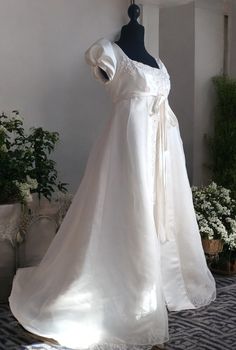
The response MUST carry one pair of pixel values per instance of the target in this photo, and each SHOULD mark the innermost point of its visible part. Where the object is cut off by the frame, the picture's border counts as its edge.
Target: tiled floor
(209, 328)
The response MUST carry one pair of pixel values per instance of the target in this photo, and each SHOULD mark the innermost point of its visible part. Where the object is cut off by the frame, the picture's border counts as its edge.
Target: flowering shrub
(216, 213)
(25, 166)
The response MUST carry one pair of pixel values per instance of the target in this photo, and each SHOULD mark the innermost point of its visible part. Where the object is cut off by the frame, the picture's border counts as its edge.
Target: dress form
(131, 40)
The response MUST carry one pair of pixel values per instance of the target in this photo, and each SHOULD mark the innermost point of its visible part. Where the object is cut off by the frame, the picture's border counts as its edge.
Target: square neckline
(157, 59)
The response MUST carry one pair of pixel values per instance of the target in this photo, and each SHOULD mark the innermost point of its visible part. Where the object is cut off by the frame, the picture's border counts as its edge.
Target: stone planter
(40, 232)
(10, 216)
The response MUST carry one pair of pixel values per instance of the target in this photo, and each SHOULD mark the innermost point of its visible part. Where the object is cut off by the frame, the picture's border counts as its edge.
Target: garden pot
(10, 216)
(212, 246)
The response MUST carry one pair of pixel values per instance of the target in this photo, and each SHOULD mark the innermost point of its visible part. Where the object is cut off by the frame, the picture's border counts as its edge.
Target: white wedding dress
(129, 247)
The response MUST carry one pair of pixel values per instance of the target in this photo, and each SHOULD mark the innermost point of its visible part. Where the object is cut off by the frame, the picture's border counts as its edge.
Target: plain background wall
(44, 74)
(192, 45)
(176, 37)
(150, 20)
(209, 58)
(232, 40)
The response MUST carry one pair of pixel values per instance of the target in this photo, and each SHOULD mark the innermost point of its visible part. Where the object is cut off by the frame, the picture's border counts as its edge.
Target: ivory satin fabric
(129, 248)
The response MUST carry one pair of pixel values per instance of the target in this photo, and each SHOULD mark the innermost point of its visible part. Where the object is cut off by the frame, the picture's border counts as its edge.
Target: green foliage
(25, 166)
(42, 143)
(223, 143)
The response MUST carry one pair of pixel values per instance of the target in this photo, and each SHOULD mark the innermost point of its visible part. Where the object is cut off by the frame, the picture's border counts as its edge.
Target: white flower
(3, 129)
(19, 238)
(3, 148)
(206, 205)
(24, 189)
(33, 183)
(16, 116)
(213, 186)
(214, 210)
(199, 216)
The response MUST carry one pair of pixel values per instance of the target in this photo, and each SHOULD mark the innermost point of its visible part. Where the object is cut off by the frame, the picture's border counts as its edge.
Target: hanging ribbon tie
(159, 110)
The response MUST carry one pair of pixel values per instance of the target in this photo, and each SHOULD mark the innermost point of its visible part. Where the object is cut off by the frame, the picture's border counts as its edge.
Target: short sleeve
(101, 55)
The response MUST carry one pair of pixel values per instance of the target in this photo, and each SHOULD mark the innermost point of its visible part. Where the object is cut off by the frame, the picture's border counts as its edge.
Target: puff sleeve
(101, 55)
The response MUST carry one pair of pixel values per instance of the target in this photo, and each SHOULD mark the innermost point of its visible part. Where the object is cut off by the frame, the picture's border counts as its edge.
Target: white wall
(232, 40)
(44, 74)
(209, 51)
(191, 44)
(177, 38)
(150, 20)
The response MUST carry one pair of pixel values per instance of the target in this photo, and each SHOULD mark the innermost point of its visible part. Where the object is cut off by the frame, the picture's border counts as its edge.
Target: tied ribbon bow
(161, 109)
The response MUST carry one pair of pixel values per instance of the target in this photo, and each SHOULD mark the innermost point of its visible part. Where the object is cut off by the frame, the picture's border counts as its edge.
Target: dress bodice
(127, 77)
(133, 77)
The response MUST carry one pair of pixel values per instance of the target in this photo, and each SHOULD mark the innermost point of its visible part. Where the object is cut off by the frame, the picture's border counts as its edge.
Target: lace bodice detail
(157, 80)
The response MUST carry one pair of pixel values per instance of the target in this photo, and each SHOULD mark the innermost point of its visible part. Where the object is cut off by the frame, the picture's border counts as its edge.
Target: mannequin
(131, 40)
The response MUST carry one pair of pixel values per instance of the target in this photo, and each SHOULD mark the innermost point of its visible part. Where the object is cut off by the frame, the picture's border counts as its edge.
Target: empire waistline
(131, 95)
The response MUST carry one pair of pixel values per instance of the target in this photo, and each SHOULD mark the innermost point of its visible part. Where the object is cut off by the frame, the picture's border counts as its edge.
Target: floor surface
(208, 328)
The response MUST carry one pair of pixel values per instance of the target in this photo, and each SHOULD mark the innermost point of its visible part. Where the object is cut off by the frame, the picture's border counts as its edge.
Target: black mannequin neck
(131, 41)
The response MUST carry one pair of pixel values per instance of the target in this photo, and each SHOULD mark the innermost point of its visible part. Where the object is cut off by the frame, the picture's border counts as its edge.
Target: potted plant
(25, 164)
(25, 168)
(216, 216)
